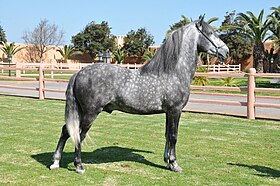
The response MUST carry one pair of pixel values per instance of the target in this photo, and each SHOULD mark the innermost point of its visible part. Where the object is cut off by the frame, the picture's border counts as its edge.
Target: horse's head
(209, 41)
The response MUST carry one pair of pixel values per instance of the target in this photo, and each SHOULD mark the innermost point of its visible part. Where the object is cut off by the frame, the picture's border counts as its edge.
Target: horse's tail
(72, 112)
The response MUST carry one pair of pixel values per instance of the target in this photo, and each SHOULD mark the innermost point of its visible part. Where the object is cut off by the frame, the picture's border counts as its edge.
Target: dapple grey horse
(160, 86)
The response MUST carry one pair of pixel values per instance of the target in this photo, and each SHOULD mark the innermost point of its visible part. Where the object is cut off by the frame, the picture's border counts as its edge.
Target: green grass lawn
(128, 150)
(243, 82)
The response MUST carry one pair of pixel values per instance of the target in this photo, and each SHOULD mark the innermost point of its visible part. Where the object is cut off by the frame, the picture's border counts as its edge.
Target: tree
(94, 38)
(68, 51)
(2, 35)
(42, 36)
(136, 42)
(239, 43)
(256, 30)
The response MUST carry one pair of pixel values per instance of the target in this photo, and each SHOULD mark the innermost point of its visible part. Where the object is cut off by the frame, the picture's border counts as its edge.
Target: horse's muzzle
(223, 53)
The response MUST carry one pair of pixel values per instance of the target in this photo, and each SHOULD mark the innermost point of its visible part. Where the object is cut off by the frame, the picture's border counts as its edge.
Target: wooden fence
(79, 66)
(71, 66)
(251, 89)
(223, 68)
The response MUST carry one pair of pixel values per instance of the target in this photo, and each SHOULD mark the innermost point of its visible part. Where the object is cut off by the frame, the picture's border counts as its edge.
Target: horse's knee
(173, 139)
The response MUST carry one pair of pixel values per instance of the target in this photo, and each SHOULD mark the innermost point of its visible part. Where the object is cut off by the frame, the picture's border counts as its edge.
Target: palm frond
(187, 20)
(213, 19)
(260, 18)
(10, 49)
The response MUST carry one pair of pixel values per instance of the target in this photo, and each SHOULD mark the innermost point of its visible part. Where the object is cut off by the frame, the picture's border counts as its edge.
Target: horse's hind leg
(84, 127)
(60, 146)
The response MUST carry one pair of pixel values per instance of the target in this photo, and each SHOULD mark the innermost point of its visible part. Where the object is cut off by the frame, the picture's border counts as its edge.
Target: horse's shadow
(263, 170)
(98, 156)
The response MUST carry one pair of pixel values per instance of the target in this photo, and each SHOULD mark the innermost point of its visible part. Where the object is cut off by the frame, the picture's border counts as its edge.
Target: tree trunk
(259, 57)
(277, 63)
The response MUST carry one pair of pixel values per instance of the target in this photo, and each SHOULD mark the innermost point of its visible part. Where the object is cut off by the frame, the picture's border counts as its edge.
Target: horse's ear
(201, 19)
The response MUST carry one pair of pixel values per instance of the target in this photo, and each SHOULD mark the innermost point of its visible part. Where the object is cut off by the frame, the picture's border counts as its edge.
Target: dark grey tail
(72, 112)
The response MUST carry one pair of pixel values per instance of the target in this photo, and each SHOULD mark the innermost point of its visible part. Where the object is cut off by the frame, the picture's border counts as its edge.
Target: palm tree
(68, 51)
(182, 22)
(119, 55)
(257, 31)
(148, 54)
(275, 26)
(201, 80)
(275, 29)
(229, 82)
(186, 21)
(10, 50)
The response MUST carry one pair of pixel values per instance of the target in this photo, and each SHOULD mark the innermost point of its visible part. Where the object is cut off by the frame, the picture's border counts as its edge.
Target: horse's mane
(165, 59)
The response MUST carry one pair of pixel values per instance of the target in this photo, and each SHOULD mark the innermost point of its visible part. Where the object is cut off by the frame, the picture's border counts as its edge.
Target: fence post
(251, 94)
(41, 82)
(52, 67)
(18, 72)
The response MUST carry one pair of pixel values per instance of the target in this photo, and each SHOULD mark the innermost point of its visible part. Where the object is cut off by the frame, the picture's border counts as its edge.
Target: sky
(156, 16)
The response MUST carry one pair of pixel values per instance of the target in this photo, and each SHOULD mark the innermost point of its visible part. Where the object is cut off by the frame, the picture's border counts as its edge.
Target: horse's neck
(186, 66)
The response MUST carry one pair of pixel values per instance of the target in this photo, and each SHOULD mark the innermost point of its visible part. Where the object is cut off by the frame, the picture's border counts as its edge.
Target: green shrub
(229, 82)
(201, 80)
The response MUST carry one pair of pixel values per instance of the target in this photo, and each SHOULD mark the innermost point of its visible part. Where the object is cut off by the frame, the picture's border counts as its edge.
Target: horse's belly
(138, 103)
(139, 110)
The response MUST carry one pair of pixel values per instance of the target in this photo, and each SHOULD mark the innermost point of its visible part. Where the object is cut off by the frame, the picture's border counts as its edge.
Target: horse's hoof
(80, 171)
(54, 167)
(174, 167)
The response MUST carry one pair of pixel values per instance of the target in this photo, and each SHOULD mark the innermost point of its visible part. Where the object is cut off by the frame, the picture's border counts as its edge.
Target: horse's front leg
(172, 122)
(167, 143)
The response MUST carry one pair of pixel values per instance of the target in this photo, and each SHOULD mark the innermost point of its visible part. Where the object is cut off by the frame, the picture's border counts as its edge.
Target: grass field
(128, 150)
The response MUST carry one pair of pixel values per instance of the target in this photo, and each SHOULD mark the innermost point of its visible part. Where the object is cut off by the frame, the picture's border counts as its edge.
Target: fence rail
(251, 89)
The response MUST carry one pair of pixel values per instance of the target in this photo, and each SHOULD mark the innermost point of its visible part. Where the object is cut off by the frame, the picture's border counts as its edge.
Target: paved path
(194, 107)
